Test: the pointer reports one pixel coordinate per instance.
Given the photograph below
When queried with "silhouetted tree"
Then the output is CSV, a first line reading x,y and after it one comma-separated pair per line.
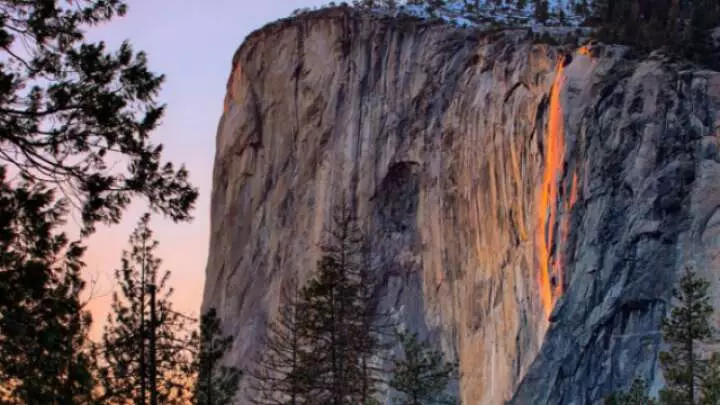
x,y
44,356
216,384
276,375
70,107
144,352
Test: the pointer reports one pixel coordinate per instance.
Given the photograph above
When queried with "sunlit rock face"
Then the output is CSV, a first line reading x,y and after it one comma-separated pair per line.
x,y
529,207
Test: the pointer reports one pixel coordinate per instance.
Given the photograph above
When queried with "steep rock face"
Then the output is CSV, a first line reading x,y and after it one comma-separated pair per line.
x,y
497,179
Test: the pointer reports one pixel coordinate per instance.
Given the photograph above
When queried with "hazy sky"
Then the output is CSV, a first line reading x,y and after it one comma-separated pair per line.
x,y
192,42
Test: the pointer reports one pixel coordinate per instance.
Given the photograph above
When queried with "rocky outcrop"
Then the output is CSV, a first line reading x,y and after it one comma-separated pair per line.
x,y
528,205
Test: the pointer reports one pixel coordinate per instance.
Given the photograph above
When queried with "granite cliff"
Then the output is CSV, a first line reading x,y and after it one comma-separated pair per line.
x,y
529,205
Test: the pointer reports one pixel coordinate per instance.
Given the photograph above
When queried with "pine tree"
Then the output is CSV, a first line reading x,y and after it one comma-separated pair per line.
x,y
561,16
421,374
704,17
542,11
276,376
336,318
329,306
601,9
688,324
690,377
70,107
44,352
637,395
320,348
581,9
145,353
710,384
216,384
376,324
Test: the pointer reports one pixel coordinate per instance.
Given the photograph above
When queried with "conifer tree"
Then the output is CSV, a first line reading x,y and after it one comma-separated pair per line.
x,y
44,357
710,384
580,8
601,10
216,384
421,374
705,15
376,324
688,324
542,10
144,360
637,395
337,317
320,348
70,107
276,376
561,16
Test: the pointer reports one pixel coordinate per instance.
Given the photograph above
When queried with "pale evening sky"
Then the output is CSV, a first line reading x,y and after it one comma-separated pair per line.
x,y
192,42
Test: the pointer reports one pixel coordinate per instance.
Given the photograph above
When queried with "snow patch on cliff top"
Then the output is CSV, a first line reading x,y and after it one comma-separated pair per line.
x,y
485,13
561,13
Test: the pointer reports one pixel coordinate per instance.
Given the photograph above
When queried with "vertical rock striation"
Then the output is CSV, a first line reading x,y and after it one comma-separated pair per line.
x,y
528,207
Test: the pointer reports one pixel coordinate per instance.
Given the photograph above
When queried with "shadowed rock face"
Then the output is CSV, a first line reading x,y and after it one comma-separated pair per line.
x,y
444,138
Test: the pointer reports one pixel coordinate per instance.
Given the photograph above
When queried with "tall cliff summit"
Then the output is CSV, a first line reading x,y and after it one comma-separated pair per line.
x,y
529,206
481,13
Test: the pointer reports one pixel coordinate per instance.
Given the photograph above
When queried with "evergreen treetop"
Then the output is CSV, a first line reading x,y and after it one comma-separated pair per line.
x,y
336,315
145,353
320,348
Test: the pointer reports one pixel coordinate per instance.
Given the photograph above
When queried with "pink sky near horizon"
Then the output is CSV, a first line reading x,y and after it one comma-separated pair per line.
x,y
192,43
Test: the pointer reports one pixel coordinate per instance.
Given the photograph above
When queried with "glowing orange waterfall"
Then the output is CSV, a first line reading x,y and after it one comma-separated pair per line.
x,y
554,157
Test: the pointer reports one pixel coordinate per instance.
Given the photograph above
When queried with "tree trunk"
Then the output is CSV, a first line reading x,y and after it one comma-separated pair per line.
x,y
690,359
143,361
153,355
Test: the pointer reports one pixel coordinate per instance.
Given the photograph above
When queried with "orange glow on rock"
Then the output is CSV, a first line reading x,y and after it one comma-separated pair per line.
x,y
573,191
554,157
564,231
